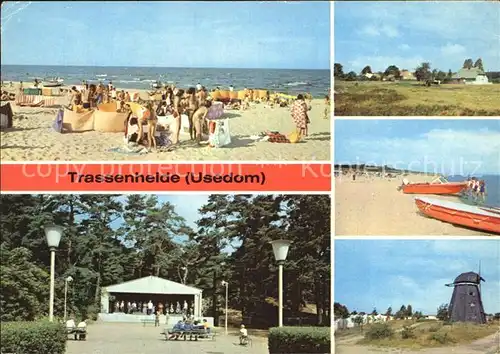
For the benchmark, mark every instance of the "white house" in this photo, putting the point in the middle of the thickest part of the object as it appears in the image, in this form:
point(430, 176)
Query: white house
point(472, 76)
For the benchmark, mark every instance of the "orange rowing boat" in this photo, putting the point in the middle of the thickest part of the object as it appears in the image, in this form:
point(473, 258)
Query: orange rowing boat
point(430, 188)
point(474, 217)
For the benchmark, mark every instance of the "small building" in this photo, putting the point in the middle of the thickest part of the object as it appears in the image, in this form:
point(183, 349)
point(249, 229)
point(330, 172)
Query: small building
point(407, 75)
point(472, 76)
point(177, 300)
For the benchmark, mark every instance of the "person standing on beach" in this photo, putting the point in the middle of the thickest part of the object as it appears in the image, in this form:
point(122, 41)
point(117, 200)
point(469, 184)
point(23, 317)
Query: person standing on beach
point(482, 191)
point(199, 119)
point(191, 108)
point(299, 115)
point(177, 115)
point(231, 88)
point(327, 107)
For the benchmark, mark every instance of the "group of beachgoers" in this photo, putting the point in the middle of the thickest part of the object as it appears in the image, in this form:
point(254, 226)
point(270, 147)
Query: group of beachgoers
point(475, 190)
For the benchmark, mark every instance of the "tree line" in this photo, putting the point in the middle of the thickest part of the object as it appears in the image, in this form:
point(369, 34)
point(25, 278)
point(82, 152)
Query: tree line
point(422, 73)
point(109, 239)
point(405, 312)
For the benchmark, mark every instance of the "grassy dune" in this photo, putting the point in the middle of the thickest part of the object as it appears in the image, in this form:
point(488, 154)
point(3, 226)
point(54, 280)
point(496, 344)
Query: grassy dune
point(412, 99)
point(433, 334)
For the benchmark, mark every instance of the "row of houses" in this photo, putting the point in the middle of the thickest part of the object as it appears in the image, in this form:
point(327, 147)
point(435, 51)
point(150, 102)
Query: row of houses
point(472, 76)
point(345, 323)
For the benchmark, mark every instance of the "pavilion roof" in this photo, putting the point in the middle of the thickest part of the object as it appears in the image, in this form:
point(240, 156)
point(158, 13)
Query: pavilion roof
point(153, 285)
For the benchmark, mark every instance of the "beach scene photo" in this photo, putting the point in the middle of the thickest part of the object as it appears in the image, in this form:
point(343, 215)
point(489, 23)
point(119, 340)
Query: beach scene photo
point(417, 58)
point(198, 81)
point(441, 298)
point(426, 177)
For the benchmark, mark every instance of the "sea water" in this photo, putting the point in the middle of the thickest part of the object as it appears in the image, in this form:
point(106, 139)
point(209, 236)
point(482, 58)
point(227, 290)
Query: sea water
point(492, 188)
point(316, 82)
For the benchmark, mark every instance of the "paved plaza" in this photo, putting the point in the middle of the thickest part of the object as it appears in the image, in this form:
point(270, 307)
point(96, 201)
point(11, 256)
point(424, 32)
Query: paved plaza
point(133, 338)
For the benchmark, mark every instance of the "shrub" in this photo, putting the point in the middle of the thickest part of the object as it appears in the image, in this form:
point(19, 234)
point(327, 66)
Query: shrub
point(434, 329)
point(299, 340)
point(379, 331)
point(407, 332)
point(33, 337)
point(441, 338)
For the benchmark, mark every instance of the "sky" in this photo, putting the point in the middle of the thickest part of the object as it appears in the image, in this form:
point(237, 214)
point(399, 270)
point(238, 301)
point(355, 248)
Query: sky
point(186, 205)
point(405, 34)
point(449, 147)
point(278, 35)
point(381, 273)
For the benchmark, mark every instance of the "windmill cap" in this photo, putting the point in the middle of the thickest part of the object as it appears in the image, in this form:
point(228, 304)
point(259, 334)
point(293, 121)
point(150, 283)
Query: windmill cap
point(469, 277)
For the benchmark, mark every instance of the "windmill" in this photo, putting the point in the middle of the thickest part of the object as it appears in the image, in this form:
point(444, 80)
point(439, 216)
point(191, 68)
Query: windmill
point(466, 304)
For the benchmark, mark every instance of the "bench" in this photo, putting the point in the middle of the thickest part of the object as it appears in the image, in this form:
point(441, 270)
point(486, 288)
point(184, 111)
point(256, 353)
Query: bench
point(192, 334)
point(79, 333)
point(147, 320)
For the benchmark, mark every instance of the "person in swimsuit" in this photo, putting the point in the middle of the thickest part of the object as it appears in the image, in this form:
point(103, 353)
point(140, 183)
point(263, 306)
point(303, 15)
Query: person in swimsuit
point(201, 96)
point(147, 116)
point(177, 111)
point(482, 191)
point(327, 107)
point(199, 120)
point(192, 106)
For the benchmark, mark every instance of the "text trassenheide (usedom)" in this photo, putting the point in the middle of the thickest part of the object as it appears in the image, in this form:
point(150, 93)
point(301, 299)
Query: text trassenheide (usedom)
point(189, 178)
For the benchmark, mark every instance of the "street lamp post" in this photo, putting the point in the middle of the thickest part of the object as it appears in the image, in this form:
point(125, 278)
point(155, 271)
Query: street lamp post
point(66, 281)
point(53, 234)
point(280, 250)
point(226, 284)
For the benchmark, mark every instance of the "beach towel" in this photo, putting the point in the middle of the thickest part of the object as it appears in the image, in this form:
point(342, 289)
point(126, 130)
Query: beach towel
point(275, 137)
point(219, 133)
point(215, 111)
point(299, 114)
point(58, 122)
point(130, 149)
point(6, 116)
point(35, 100)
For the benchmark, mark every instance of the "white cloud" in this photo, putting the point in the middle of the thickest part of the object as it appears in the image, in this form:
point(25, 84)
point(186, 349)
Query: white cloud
point(390, 31)
point(375, 31)
point(449, 151)
point(432, 28)
point(404, 47)
point(380, 63)
point(423, 268)
point(452, 49)
point(370, 30)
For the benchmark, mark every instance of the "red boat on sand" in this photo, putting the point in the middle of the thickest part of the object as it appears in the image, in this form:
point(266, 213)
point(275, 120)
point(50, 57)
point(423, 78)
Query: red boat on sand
point(438, 186)
point(429, 188)
point(474, 217)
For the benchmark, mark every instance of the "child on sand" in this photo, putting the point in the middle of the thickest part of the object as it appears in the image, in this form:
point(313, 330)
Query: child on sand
point(482, 191)
point(327, 107)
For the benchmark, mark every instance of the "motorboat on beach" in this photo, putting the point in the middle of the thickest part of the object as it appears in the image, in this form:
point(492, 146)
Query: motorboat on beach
point(439, 185)
point(53, 82)
point(156, 85)
point(483, 218)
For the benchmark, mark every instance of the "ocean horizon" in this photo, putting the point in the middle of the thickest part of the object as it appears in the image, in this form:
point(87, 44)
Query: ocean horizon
point(289, 81)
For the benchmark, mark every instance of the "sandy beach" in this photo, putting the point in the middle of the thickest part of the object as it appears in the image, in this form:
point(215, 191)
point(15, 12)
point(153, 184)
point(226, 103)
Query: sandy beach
point(33, 139)
point(375, 207)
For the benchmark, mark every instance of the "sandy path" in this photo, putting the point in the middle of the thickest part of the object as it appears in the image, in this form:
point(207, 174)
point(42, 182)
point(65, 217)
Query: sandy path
point(376, 207)
point(32, 139)
point(487, 345)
